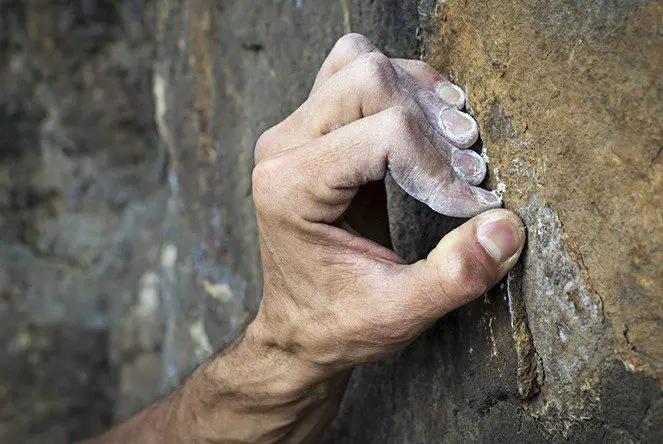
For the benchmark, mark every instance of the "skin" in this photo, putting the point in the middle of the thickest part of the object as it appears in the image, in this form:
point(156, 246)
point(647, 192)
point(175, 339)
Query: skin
point(335, 295)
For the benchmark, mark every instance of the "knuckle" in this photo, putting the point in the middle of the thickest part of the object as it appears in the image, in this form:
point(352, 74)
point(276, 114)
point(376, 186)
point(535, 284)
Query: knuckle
point(377, 69)
point(353, 44)
point(264, 181)
point(467, 275)
point(263, 144)
point(421, 66)
point(400, 120)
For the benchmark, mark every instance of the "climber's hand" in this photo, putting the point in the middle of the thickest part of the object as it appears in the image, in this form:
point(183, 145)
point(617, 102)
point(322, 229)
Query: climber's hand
point(332, 298)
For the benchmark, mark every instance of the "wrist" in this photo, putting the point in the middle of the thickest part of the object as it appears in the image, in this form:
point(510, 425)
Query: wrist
point(254, 367)
point(256, 392)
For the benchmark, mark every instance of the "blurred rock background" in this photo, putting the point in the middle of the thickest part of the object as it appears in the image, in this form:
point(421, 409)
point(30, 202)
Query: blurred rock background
point(82, 200)
point(128, 249)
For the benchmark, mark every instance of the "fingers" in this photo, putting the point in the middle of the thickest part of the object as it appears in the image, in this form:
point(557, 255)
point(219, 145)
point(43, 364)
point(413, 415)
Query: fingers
point(463, 266)
point(456, 126)
point(368, 85)
point(317, 181)
point(469, 166)
point(356, 83)
point(346, 50)
point(351, 46)
point(452, 94)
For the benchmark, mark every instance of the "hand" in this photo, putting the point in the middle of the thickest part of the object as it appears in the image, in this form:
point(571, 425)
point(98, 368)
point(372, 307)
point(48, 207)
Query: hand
point(333, 298)
point(334, 295)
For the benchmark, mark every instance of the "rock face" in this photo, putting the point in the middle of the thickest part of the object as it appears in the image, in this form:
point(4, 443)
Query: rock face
point(567, 96)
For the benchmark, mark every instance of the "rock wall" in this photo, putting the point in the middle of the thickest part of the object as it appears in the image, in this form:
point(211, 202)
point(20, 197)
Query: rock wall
point(567, 97)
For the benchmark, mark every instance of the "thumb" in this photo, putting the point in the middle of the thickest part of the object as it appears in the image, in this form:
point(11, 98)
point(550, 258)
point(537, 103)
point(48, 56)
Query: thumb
point(464, 265)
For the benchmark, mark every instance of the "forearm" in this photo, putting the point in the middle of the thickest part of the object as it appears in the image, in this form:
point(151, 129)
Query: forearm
point(252, 392)
point(155, 424)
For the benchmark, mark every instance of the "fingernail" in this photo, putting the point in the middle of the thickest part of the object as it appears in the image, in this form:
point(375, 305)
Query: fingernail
point(451, 94)
point(460, 128)
point(469, 166)
point(488, 197)
point(500, 236)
